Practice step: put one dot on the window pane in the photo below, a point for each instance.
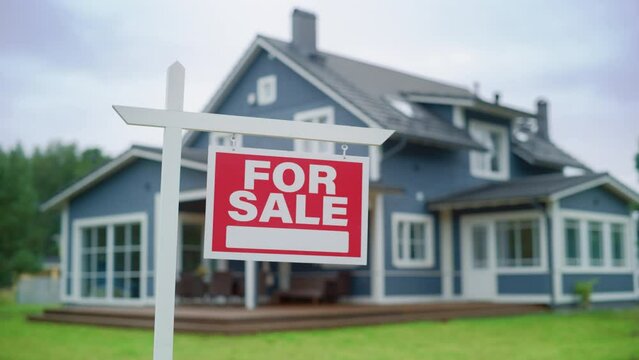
(134, 287)
(191, 234)
(135, 234)
(400, 237)
(86, 287)
(618, 244)
(118, 287)
(100, 287)
(119, 235)
(480, 243)
(572, 242)
(495, 151)
(101, 233)
(417, 248)
(86, 238)
(596, 243)
(135, 261)
(118, 261)
(518, 243)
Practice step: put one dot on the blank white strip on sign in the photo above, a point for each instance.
(259, 238)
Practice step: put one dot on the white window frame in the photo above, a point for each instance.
(429, 245)
(580, 250)
(606, 220)
(518, 245)
(478, 157)
(264, 82)
(459, 120)
(624, 245)
(190, 219)
(311, 116)
(110, 221)
(491, 220)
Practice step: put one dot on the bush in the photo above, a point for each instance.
(584, 290)
(5, 272)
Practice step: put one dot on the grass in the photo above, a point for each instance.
(592, 335)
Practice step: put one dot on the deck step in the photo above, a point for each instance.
(237, 321)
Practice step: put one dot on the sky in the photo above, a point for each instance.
(64, 63)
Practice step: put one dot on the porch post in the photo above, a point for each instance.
(446, 252)
(284, 276)
(250, 285)
(553, 231)
(378, 266)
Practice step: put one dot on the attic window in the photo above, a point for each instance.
(401, 105)
(266, 90)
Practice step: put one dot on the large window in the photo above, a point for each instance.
(493, 162)
(595, 242)
(412, 240)
(110, 257)
(572, 239)
(518, 243)
(618, 244)
(325, 115)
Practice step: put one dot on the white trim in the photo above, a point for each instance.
(557, 248)
(109, 168)
(375, 154)
(443, 100)
(429, 241)
(523, 299)
(503, 156)
(64, 238)
(272, 257)
(584, 217)
(446, 253)
(378, 263)
(262, 82)
(310, 116)
(192, 195)
(109, 222)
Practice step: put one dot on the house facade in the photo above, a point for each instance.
(468, 200)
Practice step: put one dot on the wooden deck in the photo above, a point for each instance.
(231, 320)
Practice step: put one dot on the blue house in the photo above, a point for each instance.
(468, 200)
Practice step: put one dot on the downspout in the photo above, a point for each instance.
(547, 211)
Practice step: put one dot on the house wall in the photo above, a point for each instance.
(129, 190)
(597, 199)
(294, 94)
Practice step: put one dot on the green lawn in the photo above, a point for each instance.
(593, 335)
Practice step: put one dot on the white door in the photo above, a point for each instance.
(479, 279)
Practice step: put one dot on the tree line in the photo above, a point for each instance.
(27, 235)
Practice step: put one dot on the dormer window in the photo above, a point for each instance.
(266, 90)
(493, 163)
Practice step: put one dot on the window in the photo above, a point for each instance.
(93, 272)
(480, 246)
(492, 163)
(192, 236)
(518, 243)
(126, 263)
(572, 239)
(109, 255)
(266, 90)
(325, 115)
(617, 243)
(412, 240)
(595, 239)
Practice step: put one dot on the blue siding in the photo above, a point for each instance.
(131, 189)
(523, 284)
(596, 199)
(605, 282)
(413, 285)
(294, 94)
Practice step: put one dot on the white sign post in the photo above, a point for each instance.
(173, 120)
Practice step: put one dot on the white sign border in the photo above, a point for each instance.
(208, 253)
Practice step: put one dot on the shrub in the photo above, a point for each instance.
(24, 261)
(584, 290)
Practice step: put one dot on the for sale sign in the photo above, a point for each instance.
(269, 205)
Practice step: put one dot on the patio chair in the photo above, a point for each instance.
(221, 284)
(190, 286)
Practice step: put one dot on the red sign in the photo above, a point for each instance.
(269, 205)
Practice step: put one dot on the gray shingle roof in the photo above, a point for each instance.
(365, 86)
(540, 151)
(528, 188)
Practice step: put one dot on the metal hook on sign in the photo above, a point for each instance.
(234, 141)
(344, 148)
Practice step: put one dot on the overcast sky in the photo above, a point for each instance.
(64, 63)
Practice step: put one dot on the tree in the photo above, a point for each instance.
(25, 232)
